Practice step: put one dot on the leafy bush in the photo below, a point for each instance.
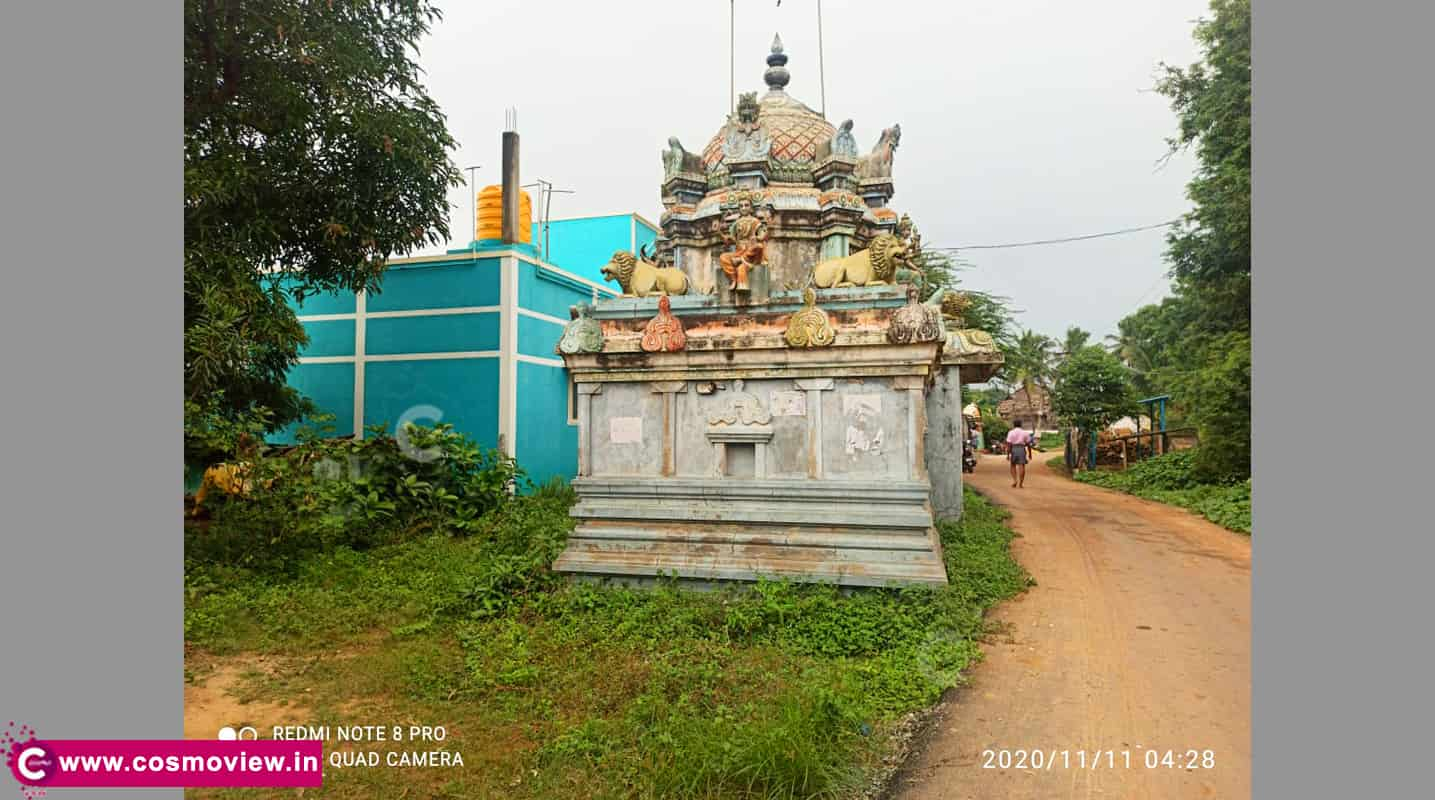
(1220, 401)
(1173, 478)
(325, 494)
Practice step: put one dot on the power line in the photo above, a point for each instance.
(1060, 241)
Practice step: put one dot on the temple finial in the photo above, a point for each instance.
(777, 75)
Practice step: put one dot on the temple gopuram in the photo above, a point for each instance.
(769, 397)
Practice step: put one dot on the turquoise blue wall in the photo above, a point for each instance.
(441, 334)
(398, 378)
(464, 390)
(440, 284)
(583, 245)
(547, 444)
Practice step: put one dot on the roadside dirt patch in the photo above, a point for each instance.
(215, 698)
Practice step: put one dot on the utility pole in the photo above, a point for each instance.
(821, 65)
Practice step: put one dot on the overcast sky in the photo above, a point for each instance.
(1020, 120)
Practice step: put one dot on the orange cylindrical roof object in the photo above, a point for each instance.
(490, 214)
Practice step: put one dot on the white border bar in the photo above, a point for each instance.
(361, 310)
(539, 360)
(411, 312)
(508, 351)
(545, 317)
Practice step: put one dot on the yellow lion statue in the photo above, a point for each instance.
(643, 278)
(871, 267)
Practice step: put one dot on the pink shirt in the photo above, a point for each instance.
(1017, 436)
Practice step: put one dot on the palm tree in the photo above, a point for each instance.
(1125, 347)
(1076, 338)
(1030, 363)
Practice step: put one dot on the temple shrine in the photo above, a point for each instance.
(769, 397)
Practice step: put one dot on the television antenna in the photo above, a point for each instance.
(546, 190)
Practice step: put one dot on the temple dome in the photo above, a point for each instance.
(794, 129)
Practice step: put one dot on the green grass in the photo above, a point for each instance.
(1167, 479)
(550, 689)
(1051, 441)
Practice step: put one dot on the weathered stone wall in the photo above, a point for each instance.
(944, 443)
(863, 429)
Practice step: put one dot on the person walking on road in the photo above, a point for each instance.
(1019, 444)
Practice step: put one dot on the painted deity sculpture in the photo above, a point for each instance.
(641, 277)
(747, 236)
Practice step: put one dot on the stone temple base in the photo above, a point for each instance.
(740, 457)
(855, 534)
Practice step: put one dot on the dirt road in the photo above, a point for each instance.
(1136, 638)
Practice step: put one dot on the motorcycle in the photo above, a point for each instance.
(969, 458)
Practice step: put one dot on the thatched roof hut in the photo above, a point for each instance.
(1034, 411)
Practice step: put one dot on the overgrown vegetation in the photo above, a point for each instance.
(311, 146)
(420, 590)
(328, 493)
(1196, 344)
(1173, 478)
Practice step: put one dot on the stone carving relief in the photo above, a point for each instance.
(746, 139)
(914, 322)
(864, 431)
(740, 407)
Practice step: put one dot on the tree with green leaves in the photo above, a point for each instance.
(1093, 390)
(1210, 251)
(1195, 345)
(312, 155)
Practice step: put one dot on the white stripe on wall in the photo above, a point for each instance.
(361, 308)
(412, 312)
(434, 312)
(508, 349)
(545, 317)
(324, 317)
(546, 362)
(455, 354)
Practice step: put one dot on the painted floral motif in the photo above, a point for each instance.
(664, 332)
(810, 326)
